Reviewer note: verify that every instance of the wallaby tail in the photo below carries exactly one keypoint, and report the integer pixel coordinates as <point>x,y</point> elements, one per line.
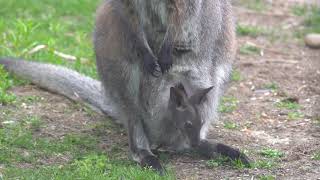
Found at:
<point>63,81</point>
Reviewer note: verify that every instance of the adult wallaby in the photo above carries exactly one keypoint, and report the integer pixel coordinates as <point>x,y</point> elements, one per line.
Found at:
<point>163,65</point>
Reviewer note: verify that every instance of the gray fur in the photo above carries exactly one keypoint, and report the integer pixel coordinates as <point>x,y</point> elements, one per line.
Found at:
<point>63,81</point>
<point>203,40</point>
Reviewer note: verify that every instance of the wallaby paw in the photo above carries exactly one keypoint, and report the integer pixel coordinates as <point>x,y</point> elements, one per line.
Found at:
<point>152,162</point>
<point>165,65</point>
<point>165,58</point>
<point>152,66</point>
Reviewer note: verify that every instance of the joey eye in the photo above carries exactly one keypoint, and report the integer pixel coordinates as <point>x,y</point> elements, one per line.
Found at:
<point>188,124</point>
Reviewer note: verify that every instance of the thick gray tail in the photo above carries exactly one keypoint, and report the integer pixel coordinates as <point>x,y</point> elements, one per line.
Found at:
<point>63,81</point>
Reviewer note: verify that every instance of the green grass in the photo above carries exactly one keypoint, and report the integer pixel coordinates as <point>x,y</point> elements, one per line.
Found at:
<point>30,99</point>
<point>225,161</point>
<point>267,177</point>
<point>230,125</point>
<point>228,104</point>
<point>5,84</point>
<point>295,115</point>
<point>236,76</point>
<point>92,166</point>
<point>271,153</point>
<point>249,50</point>
<point>285,104</point>
<point>257,5</point>
<point>19,144</point>
<point>64,26</point>
<point>272,86</point>
<point>249,30</point>
<point>219,161</point>
<point>317,120</point>
<point>292,107</point>
<point>67,27</point>
<point>316,156</point>
<point>311,20</point>
<point>268,162</point>
<point>265,164</point>
<point>299,10</point>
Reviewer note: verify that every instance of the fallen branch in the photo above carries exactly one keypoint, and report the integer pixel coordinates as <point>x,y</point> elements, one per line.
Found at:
<point>65,56</point>
<point>57,53</point>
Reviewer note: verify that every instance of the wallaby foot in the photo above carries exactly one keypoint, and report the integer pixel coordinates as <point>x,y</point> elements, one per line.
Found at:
<point>151,65</point>
<point>211,149</point>
<point>140,148</point>
<point>152,162</point>
<point>145,158</point>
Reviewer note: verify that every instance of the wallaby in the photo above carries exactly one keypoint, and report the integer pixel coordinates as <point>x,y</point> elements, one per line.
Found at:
<point>163,66</point>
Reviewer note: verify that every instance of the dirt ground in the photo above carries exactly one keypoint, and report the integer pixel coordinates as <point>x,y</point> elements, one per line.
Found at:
<point>286,62</point>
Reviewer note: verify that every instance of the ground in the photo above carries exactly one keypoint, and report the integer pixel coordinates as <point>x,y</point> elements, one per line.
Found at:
<point>270,111</point>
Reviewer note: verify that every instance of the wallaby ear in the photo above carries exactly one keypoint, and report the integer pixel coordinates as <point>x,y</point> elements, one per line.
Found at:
<point>199,96</point>
<point>177,96</point>
<point>181,87</point>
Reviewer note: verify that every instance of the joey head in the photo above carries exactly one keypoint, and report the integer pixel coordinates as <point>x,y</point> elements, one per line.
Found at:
<point>182,125</point>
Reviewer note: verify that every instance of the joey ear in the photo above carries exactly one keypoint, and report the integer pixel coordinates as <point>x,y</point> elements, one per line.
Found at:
<point>199,96</point>
<point>177,97</point>
<point>181,87</point>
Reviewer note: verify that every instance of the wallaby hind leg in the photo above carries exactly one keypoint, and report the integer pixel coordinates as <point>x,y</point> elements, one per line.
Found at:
<point>140,148</point>
<point>212,149</point>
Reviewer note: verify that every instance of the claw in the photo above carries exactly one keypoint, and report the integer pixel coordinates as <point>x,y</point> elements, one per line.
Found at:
<point>151,65</point>
<point>152,162</point>
<point>212,149</point>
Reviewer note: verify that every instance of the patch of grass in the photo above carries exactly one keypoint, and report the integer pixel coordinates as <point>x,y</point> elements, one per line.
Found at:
<point>30,99</point>
<point>267,177</point>
<point>271,153</point>
<point>86,160</point>
<point>228,104</point>
<point>64,26</point>
<point>317,120</point>
<point>33,122</point>
<point>299,10</point>
<point>311,21</point>
<point>295,115</point>
<point>230,125</point>
<point>316,156</point>
<point>249,30</point>
<point>92,166</point>
<point>272,86</point>
<point>58,25</point>
<point>5,84</point>
<point>89,111</point>
<point>249,50</point>
<point>264,164</point>
<point>226,161</point>
<point>236,76</point>
<point>17,139</point>
<point>286,104</point>
<point>257,5</point>
<point>219,161</point>
<point>238,164</point>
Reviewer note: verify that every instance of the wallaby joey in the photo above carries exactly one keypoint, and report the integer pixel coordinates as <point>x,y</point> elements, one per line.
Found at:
<point>163,65</point>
